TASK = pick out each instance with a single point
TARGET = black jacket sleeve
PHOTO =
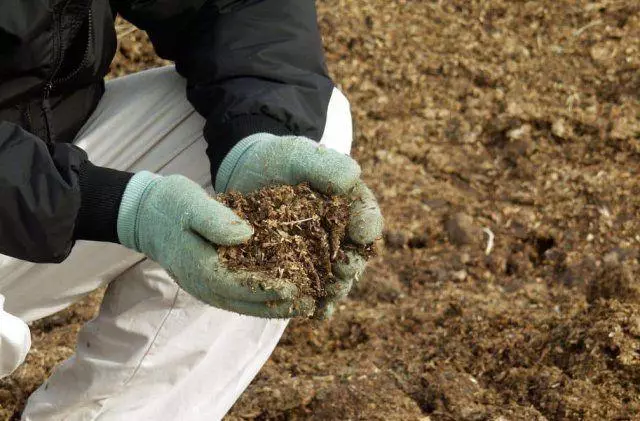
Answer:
(49, 197)
(251, 65)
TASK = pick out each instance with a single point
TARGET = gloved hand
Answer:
(174, 222)
(264, 159)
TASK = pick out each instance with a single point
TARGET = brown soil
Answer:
(297, 235)
(521, 118)
(52, 341)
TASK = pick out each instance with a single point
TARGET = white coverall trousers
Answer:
(153, 352)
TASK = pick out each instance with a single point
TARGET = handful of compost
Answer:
(265, 160)
(300, 237)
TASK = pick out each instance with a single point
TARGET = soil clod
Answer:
(462, 231)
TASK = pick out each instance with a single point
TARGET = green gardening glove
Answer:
(263, 159)
(174, 222)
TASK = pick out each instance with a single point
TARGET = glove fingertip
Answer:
(219, 224)
(325, 312)
(340, 289)
(283, 289)
(366, 223)
(346, 174)
(286, 309)
(327, 170)
(365, 231)
(237, 232)
(353, 268)
(304, 306)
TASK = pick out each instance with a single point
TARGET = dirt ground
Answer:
(503, 141)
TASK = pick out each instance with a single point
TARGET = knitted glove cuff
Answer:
(130, 206)
(234, 156)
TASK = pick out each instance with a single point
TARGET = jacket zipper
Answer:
(85, 57)
(53, 81)
(28, 114)
(46, 107)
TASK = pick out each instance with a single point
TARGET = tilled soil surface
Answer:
(502, 139)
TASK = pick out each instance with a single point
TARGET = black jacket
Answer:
(251, 66)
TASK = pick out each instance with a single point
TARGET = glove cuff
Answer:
(222, 136)
(130, 205)
(231, 160)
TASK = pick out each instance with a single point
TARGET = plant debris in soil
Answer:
(298, 235)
